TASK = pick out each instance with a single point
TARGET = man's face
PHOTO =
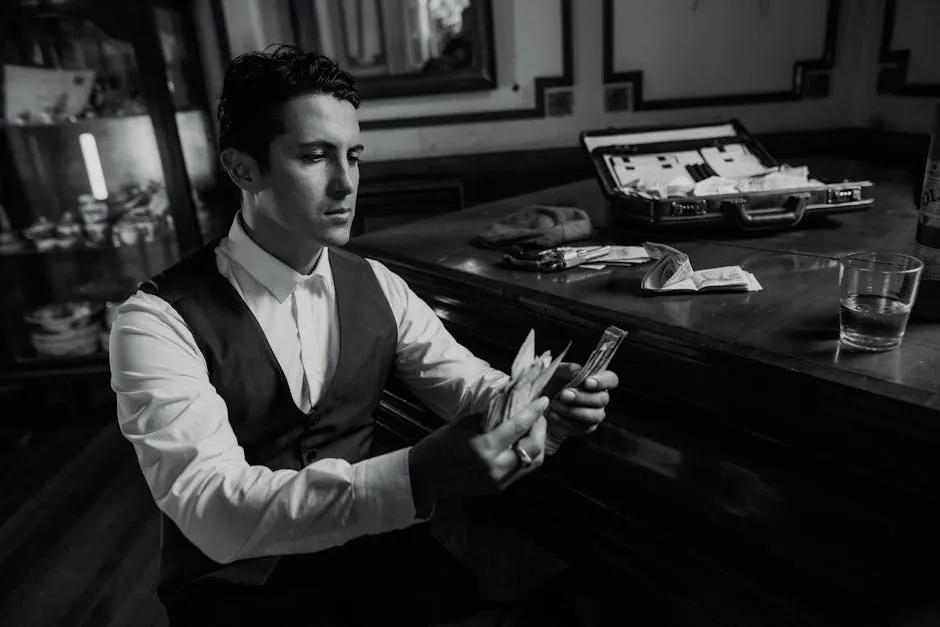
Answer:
(313, 169)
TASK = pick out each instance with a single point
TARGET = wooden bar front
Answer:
(751, 470)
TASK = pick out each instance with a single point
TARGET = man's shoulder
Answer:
(346, 255)
(185, 276)
(393, 287)
(147, 314)
(380, 270)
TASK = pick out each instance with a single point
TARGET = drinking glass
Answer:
(877, 293)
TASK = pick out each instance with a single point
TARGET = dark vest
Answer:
(246, 374)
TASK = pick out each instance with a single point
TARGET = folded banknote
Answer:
(673, 273)
(599, 359)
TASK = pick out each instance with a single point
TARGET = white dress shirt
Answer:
(188, 452)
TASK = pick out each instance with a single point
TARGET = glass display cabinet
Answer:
(107, 170)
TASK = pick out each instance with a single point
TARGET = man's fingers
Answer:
(536, 437)
(603, 380)
(580, 398)
(514, 427)
(532, 443)
(579, 414)
(534, 440)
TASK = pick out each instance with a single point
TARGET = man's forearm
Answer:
(251, 511)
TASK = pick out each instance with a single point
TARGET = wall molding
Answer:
(810, 77)
(893, 78)
(542, 85)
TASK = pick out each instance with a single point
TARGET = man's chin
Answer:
(334, 237)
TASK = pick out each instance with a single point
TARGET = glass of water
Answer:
(878, 291)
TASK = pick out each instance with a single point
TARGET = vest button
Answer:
(309, 456)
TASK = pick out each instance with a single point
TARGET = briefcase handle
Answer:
(785, 216)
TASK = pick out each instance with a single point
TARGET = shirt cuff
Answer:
(382, 492)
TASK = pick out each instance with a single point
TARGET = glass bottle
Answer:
(927, 236)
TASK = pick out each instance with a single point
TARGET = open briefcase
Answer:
(710, 174)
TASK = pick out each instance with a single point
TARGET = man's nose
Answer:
(342, 181)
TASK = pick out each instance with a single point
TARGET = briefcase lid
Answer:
(672, 138)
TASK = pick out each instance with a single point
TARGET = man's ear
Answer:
(243, 169)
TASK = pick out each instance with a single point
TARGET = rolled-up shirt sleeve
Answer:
(197, 472)
(449, 379)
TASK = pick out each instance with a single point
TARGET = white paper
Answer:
(35, 90)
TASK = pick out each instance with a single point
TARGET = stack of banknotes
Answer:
(527, 378)
(530, 374)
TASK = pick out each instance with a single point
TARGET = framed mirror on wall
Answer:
(399, 48)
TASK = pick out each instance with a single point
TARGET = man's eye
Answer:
(312, 158)
(355, 158)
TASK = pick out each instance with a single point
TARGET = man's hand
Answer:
(582, 408)
(459, 459)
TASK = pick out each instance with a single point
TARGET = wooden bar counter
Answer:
(751, 470)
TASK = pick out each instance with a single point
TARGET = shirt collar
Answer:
(272, 273)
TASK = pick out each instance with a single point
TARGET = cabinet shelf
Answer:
(40, 367)
(78, 123)
(87, 122)
(82, 249)
(29, 251)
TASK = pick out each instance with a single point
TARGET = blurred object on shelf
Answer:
(62, 317)
(80, 341)
(135, 213)
(124, 234)
(144, 221)
(150, 197)
(159, 203)
(93, 211)
(70, 328)
(141, 214)
(42, 234)
(68, 230)
(127, 197)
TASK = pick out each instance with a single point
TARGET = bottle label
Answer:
(927, 238)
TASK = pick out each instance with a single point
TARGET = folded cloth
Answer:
(537, 226)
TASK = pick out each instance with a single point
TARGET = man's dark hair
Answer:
(257, 84)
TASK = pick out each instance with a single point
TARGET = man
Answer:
(246, 377)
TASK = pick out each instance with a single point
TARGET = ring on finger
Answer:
(525, 460)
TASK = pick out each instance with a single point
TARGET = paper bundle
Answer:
(773, 179)
(673, 273)
(620, 256)
(528, 377)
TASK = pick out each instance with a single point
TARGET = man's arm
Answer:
(441, 372)
(196, 469)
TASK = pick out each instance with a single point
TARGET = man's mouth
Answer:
(340, 211)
